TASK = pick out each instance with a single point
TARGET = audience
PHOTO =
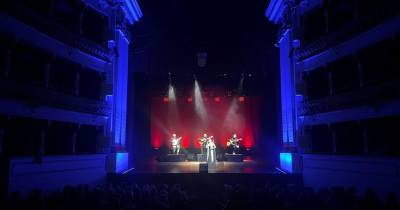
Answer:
(128, 196)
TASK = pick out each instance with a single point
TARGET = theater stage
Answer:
(207, 180)
(246, 167)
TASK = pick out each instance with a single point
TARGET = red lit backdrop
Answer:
(224, 116)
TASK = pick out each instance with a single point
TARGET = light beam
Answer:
(171, 93)
(198, 101)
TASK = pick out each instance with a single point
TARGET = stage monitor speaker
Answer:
(203, 168)
(201, 157)
(174, 158)
(191, 157)
(234, 158)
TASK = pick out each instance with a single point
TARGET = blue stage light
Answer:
(286, 162)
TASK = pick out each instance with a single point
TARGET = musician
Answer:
(175, 144)
(211, 153)
(233, 144)
(203, 142)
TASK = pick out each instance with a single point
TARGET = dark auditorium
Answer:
(199, 105)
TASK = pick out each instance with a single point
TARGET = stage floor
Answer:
(247, 167)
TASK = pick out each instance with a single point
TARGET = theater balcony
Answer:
(334, 22)
(68, 22)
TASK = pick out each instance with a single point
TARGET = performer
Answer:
(211, 153)
(176, 144)
(233, 144)
(203, 142)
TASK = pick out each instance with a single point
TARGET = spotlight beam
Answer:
(199, 103)
(240, 87)
(171, 93)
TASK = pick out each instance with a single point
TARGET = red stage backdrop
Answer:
(223, 116)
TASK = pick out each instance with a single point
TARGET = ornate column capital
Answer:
(276, 10)
(131, 10)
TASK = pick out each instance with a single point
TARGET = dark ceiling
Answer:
(236, 36)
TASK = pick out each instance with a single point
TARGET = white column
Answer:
(288, 90)
(120, 92)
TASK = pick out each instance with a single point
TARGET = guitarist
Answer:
(176, 144)
(203, 142)
(233, 144)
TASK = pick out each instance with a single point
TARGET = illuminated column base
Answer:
(290, 162)
(117, 162)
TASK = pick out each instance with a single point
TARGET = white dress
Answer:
(211, 154)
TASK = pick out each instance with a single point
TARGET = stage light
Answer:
(240, 86)
(165, 99)
(171, 93)
(241, 98)
(198, 100)
(286, 162)
(217, 99)
(233, 116)
(189, 99)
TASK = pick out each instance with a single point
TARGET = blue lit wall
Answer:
(286, 162)
(121, 162)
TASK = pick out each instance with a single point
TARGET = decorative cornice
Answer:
(132, 10)
(275, 10)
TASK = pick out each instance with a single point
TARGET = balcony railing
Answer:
(55, 30)
(363, 96)
(351, 29)
(39, 96)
